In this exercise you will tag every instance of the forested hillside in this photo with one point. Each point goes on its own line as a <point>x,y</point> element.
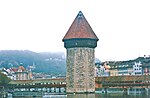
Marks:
<point>44,62</point>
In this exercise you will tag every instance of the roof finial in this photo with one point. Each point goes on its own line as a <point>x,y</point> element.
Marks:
<point>80,13</point>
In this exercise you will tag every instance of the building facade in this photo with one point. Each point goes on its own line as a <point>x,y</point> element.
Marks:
<point>102,69</point>
<point>21,74</point>
<point>80,42</point>
<point>137,68</point>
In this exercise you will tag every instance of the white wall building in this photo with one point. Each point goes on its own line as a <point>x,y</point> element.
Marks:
<point>137,68</point>
<point>102,70</point>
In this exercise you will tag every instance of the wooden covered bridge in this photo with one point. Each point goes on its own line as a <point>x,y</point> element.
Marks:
<point>142,81</point>
<point>50,85</point>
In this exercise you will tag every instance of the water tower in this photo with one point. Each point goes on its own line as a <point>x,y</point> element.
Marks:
<point>80,42</point>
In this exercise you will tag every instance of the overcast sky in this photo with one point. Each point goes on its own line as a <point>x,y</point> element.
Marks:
<point>122,26</point>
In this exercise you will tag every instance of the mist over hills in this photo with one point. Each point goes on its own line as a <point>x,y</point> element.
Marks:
<point>45,62</point>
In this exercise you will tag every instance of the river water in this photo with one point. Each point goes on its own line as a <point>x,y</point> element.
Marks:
<point>90,96</point>
<point>97,95</point>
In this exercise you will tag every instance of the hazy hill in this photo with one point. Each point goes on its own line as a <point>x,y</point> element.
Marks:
<point>44,62</point>
<point>144,60</point>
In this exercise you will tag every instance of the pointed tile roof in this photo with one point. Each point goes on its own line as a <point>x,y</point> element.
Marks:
<point>80,28</point>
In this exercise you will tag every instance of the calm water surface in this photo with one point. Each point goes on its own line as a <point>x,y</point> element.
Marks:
<point>106,96</point>
<point>90,96</point>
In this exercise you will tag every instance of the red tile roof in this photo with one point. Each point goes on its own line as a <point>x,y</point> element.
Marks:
<point>22,68</point>
<point>14,69</point>
<point>80,28</point>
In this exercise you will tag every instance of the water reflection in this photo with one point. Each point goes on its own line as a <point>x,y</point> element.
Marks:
<point>99,96</point>
<point>106,96</point>
<point>90,96</point>
<point>81,96</point>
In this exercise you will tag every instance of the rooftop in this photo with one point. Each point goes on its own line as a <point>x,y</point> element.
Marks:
<point>80,28</point>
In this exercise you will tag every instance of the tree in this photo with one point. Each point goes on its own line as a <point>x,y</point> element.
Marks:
<point>4,80</point>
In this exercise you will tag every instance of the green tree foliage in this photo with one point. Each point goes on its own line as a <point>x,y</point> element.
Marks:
<point>4,80</point>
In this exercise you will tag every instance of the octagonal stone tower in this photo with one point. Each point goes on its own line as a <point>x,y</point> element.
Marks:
<point>80,42</point>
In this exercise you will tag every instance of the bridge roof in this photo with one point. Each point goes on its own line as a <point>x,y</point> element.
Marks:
<point>56,80</point>
<point>80,28</point>
<point>123,78</point>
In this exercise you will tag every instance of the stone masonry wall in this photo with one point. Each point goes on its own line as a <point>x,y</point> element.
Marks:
<point>80,76</point>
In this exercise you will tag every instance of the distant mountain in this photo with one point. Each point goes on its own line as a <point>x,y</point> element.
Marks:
<point>45,62</point>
